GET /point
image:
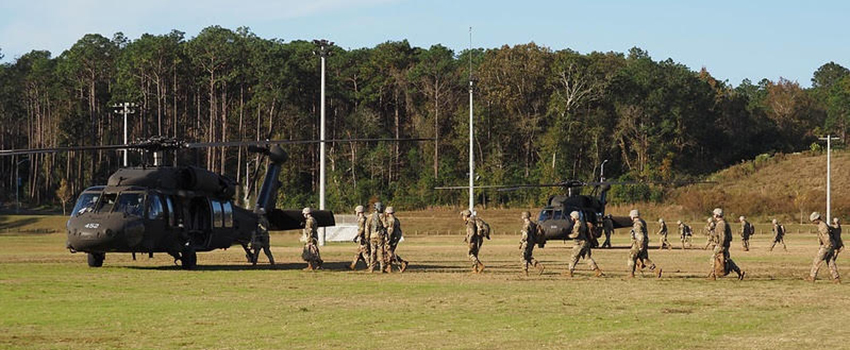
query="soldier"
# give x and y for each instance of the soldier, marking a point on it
(260, 239)
(472, 240)
(826, 252)
(836, 230)
(607, 229)
(377, 230)
(310, 254)
(778, 235)
(685, 234)
(582, 247)
(662, 231)
(747, 230)
(394, 235)
(721, 237)
(361, 238)
(526, 243)
(639, 251)
(709, 231)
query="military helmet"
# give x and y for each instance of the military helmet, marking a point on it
(709, 220)
(574, 215)
(634, 213)
(742, 218)
(774, 221)
(306, 211)
(717, 212)
(660, 220)
(379, 206)
(389, 210)
(466, 213)
(261, 211)
(679, 222)
(525, 215)
(359, 209)
(835, 220)
(815, 216)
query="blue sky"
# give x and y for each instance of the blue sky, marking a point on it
(732, 39)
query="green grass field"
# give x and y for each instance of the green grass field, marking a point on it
(49, 298)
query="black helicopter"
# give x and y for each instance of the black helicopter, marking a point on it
(175, 210)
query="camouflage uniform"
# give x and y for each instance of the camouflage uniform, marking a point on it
(778, 236)
(663, 233)
(526, 244)
(363, 249)
(826, 251)
(483, 230)
(310, 254)
(640, 247)
(721, 261)
(582, 247)
(607, 229)
(260, 241)
(376, 228)
(473, 242)
(685, 234)
(394, 234)
(709, 231)
(747, 230)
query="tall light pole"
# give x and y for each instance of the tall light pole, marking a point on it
(828, 140)
(323, 52)
(125, 108)
(471, 133)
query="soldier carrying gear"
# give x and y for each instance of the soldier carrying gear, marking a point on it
(607, 229)
(260, 238)
(363, 248)
(778, 235)
(826, 252)
(639, 251)
(310, 254)
(526, 243)
(376, 228)
(685, 234)
(582, 248)
(394, 235)
(473, 241)
(662, 231)
(747, 230)
(709, 231)
(721, 261)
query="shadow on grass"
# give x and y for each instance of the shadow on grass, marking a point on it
(327, 266)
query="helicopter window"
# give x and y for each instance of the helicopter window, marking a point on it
(172, 218)
(155, 207)
(558, 215)
(107, 202)
(130, 203)
(228, 214)
(85, 203)
(217, 214)
(545, 215)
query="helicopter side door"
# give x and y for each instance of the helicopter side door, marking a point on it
(156, 221)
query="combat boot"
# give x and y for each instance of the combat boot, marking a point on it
(309, 267)
(809, 279)
(598, 272)
(404, 265)
(741, 275)
(540, 268)
(353, 266)
(836, 281)
(525, 271)
(480, 267)
(371, 268)
(631, 274)
(474, 268)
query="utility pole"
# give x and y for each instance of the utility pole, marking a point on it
(125, 108)
(828, 140)
(323, 52)
(471, 133)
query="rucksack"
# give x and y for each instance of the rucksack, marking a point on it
(483, 228)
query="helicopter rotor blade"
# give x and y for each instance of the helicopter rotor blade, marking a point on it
(297, 142)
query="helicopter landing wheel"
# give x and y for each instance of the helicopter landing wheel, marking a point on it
(188, 259)
(96, 259)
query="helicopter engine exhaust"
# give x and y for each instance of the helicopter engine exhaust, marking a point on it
(197, 179)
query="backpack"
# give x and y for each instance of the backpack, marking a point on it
(483, 228)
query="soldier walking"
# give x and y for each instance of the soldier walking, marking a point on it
(310, 254)
(721, 237)
(662, 231)
(747, 230)
(361, 238)
(394, 235)
(826, 252)
(377, 231)
(778, 235)
(607, 229)
(582, 247)
(260, 240)
(685, 234)
(639, 251)
(526, 243)
(709, 231)
(473, 241)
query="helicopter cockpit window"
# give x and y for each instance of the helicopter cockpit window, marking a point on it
(558, 215)
(172, 217)
(545, 215)
(130, 203)
(228, 214)
(85, 203)
(217, 214)
(155, 211)
(106, 203)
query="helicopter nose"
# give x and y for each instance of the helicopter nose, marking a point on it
(99, 237)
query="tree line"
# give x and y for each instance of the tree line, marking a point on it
(541, 115)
